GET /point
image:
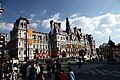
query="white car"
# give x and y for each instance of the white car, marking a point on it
(73, 61)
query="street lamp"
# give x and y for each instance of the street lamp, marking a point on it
(1, 11)
(27, 47)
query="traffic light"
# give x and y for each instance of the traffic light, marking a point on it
(2, 45)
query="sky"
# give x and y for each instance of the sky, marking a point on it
(101, 18)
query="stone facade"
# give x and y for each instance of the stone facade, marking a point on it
(68, 41)
(57, 41)
(18, 41)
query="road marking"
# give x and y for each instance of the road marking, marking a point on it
(86, 72)
(102, 73)
(117, 72)
(108, 72)
(93, 72)
(113, 74)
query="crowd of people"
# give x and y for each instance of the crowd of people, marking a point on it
(8, 72)
(33, 70)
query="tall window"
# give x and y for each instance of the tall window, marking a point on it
(33, 46)
(19, 43)
(19, 35)
(24, 34)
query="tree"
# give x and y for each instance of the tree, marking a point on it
(6, 55)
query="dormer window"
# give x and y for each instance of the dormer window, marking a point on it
(21, 24)
(24, 24)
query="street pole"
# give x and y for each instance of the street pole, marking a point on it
(1, 11)
(26, 42)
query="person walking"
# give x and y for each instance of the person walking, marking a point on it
(61, 75)
(41, 76)
(32, 72)
(71, 74)
(13, 75)
(79, 63)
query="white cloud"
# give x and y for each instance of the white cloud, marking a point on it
(46, 23)
(117, 30)
(34, 25)
(32, 15)
(74, 15)
(44, 11)
(103, 33)
(100, 26)
(117, 36)
(56, 16)
(21, 11)
(6, 26)
(108, 20)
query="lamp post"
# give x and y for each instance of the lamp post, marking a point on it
(1, 11)
(27, 50)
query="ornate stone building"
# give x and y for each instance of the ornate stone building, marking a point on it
(57, 41)
(17, 43)
(69, 42)
(40, 43)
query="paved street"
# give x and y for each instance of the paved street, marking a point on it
(97, 71)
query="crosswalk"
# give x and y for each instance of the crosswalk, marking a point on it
(103, 72)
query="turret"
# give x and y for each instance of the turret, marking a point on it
(51, 26)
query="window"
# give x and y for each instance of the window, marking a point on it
(24, 34)
(40, 46)
(19, 52)
(61, 38)
(21, 24)
(46, 47)
(37, 46)
(24, 44)
(58, 37)
(33, 46)
(19, 43)
(20, 34)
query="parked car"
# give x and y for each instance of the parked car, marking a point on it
(73, 61)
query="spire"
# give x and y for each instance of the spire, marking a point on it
(110, 43)
(109, 38)
(68, 30)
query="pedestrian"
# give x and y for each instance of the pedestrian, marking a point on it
(61, 75)
(53, 67)
(28, 72)
(13, 75)
(71, 74)
(41, 68)
(8, 74)
(79, 63)
(37, 70)
(41, 76)
(32, 72)
(48, 68)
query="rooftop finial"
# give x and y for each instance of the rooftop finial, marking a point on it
(109, 38)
